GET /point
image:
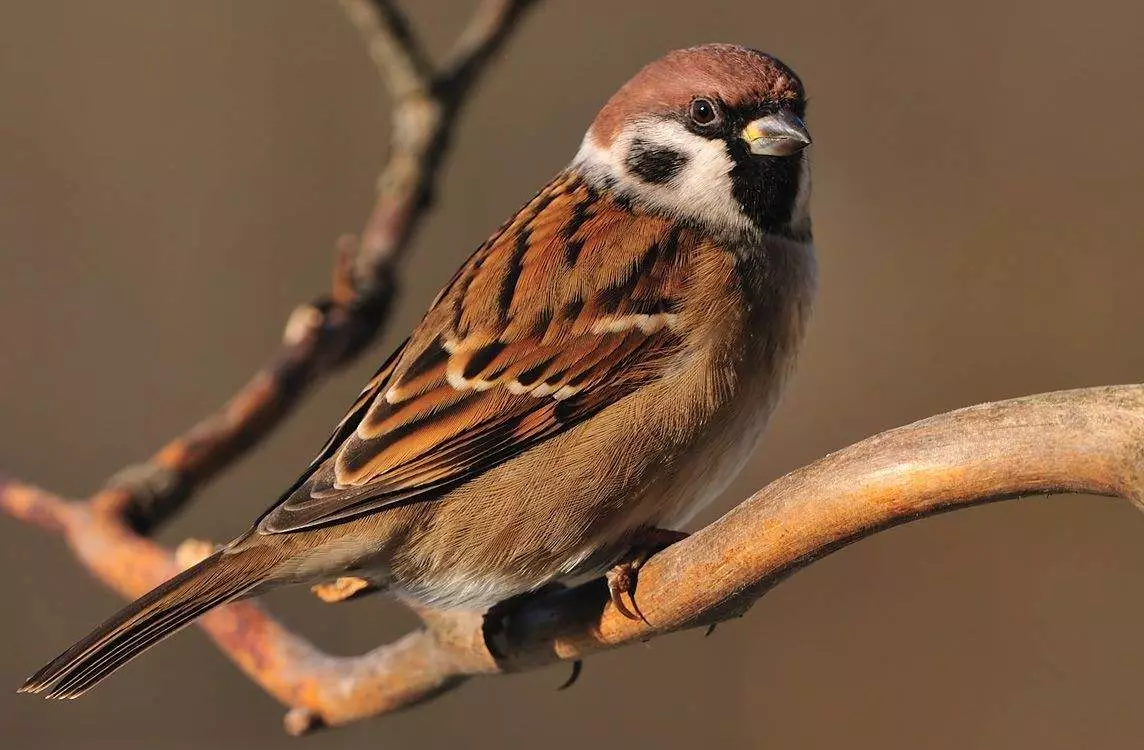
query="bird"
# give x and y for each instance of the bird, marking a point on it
(590, 378)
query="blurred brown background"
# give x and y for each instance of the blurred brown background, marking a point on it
(172, 178)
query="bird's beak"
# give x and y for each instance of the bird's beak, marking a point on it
(780, 134)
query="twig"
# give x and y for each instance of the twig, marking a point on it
(428, 106)
(331, 331)
(400, 59)
(107, 531)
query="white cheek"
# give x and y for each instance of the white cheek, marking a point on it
(701, 191)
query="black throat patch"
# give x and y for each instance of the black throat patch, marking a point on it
(654, 163)
(765, 187)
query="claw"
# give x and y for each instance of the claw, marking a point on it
(621, 580)
(496, 619)
(577, 667)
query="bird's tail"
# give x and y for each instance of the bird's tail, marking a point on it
(225, 575)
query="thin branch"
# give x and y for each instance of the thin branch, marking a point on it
(423, 121)
(490, 27)
(331, 331)
(398, 55)
(107, 531)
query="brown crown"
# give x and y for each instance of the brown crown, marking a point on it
(738, 76)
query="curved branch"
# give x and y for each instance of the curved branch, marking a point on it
(1089, 440)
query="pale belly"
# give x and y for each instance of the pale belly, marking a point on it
(717, 465)
(581, 520)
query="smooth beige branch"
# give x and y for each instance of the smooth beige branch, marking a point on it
(1089, 440)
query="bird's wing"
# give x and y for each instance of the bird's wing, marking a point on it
(569, 307)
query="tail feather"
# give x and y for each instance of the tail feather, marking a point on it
(171, 606)
(127, 645)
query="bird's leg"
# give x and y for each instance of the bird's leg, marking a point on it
(496, 623)
(622, 577)
(343, 589)
(498, 615)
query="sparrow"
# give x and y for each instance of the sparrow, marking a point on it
(588, 380)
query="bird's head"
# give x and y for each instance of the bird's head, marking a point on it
(712, 135)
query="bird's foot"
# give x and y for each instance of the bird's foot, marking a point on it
(498, 615)
(623, 576)
(343, 589)
(496, 625)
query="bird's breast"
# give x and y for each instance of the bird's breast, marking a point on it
(751, 357)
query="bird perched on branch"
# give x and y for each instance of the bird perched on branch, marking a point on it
(594, 374)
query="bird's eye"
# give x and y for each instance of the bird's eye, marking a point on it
(704, 112)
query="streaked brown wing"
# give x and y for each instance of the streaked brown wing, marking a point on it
(568, 308)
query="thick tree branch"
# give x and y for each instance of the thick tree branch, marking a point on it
(1089, 440)
(1077, 441)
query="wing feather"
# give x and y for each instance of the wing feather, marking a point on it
(569, 308)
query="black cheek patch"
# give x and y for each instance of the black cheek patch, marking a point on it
(653, 163)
